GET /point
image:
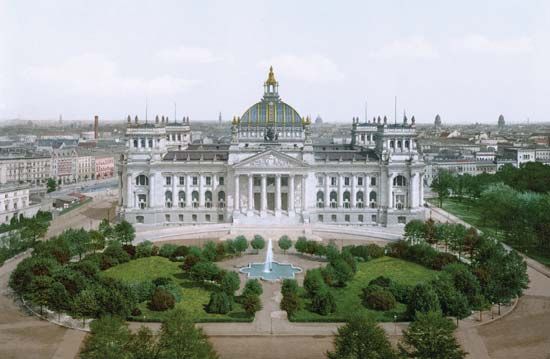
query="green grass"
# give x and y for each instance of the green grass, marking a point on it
(469, 212)
(195, 295)
(348, 300)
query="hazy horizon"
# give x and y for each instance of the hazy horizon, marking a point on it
(467, 61)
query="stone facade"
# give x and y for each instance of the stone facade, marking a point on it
(272, 172)
(14, 202)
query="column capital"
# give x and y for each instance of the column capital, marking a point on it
(278, 175)
(263, 175)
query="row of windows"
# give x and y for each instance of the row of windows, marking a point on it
(333, 198)
(347, 181)
(195, 180)
(194, 218)
(168, 199)
(360, 218)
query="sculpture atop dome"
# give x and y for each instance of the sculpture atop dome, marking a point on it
(271, 77)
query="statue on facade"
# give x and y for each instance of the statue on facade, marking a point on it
(270, 135)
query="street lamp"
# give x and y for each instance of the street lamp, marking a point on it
(395, 324)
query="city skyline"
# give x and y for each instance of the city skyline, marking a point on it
(468, 62)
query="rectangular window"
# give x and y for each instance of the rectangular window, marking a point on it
(142, 142)
(320, 180)
(373, 218)
(333, 217)
(401, 219)
(221, 180)
(182, 180)
(346, 218)
(208, 180)
(359, 181)
(181, 217)
(360, 218)
(195, 180)
(207, 218)
(167, 217)
(320, 218)
(373, 181)
(150, 143)
(194, 217)
(220, 217)
(346, 181)
(135, 143)
(333, 181)
(168, 181)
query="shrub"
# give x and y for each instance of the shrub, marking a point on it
(130, 249)
(323, 302)
(136, 312)
(209, 252)
(253, 286)
(290, 303)
(204, 271)
(230, 282)
(289, 286)
(361, 251)
(375, 251)
(167, 250)
(301, 245)
(229, 246)
(258, 242)
(116, 251)
(422, 298)
(154, 251)
(173, 289)
(378, 299)
(285, 243)
(339, 273)
(313, 282)
(162, 300)
(443, 259)
(381, 281)
(241, 244)
(144, 249)
(87, 267)
(219, 303)
(251, 303)
(162, 281)
(400, 291)
(143, 291)
(107, 262)
(181, 251)
(190, 261)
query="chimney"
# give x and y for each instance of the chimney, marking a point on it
(96, 127)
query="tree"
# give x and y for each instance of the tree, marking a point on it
(301, 245)
(85, 305)
(361, 338)
(162, 300)
(204, 271)
(79, 241)
(229, 283)
(313, 282)
(471, 241)
(241, 244)
(143, 344)
(108, 339)
(430, 336)
(51, 185)
(442, 185)
(423, 299)
(34, 230)
(97, 240)
(464, 281)
(414, 231)
(219, 303)
(39, 290)
(291, 302)
(209, 252)
(452, 302)
(105, 228)
(253, 286)
(323, 302)
(341, 272)
(58, 298)
(124, 232)
(430, 232)
(285, 243)
(251, 303)
(257, 243)
(377, 298)
(180, 339)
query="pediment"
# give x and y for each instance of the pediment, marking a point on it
(271, 159)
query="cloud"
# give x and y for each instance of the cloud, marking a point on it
(482, 44)
(310, 68)
(415, 47)
(187, 55)
(96, 75)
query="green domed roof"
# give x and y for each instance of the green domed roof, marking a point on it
(271, 111)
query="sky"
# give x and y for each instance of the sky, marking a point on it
(468, 61)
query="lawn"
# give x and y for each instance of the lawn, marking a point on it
(469, 212)
(195, 295)
(348, 300)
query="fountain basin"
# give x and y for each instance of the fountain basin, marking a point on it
(278, 271)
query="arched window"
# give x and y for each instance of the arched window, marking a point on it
(399, 181)
(359, 199)
(320, 199)
(142, 180)
(407, 144)
(168, 199)
(181, 199)
(347, 197)
(333, 199)
(392, 144)
(208, 199)
(221, 199)
(195, 199)
(372, 199)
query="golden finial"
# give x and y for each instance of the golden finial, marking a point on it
(271, 77)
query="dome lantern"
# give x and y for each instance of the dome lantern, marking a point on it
(271, 86)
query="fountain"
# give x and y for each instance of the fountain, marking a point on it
(270, 270)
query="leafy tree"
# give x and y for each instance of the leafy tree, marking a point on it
(430, 336)
(144, 249)
(167, 250)
(251, 303)
(97, 240)
(124, 232)
(442, 185)
(85, 305)
(39, 290)
(452, 302)
(301, 245)
(180, 339)
(291, 302)
(25, 271)
(106, 229)
(241, 244)
(34, 229)
(423, 299)
(219, 303)
(414, 231)
(313, 282)
(377, 298)
(257, 243)
(108, 339)
(361, 338)
(323, 302)
(340, 272)
(78, 240)
(55, 247)
(204, 271)
(289, 286)
(72, 280)
(471, 241)
(51, 185)
(58, 298)
(209, 252)
(430, 232)
(464, 281)
(114, 250)
(253, 286)
(230, 282)
(285, 243)
(143, 344)
(162, 300)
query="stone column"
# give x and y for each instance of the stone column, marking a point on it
(129, 182)
(340, 191)
(188, 191)
(353, 192)
(421, 190)
(201, 190)
(263, 195)
(390, 194)
(327, 190)
(250, 194)
(291, 195)
(236, 195)
(277, 195)
(174, 192)
(413, 186)
(366, 202)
